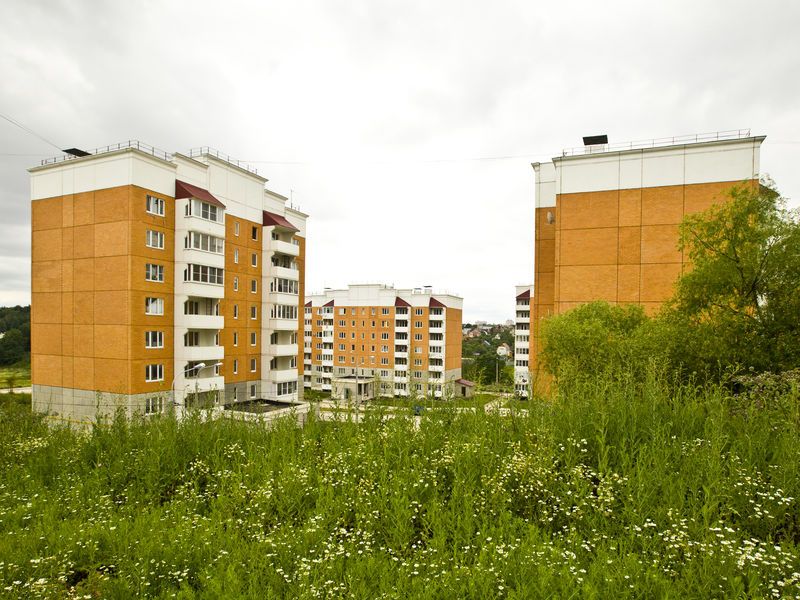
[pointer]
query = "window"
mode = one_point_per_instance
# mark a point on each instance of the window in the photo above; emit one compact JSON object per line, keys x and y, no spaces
{"x":154,"y":272}
{"x":236,"y":255}
{"x":384,"y":336}
{"x":191,"y":338}
{"x":417,"y":362}
{"x":235,"y":366}
{"x":417,"y":323}
{"x":384,"y":311}
{"x":253,"y":365}
{"x":254,"y":260}
{"x":253,"y":338}
{"x":153,"y":339}
{"x":253,"y":286}
{"x":283,"y":311}
{"x":419,"y":311}
{"x":205,"y":242}
{"x":235,"y":284}
{"x":155,"y":206}
{"x":253,"y":312}
{"x":155,"y":239}
{"x":235,"y":392}
{"x":342,"y":311}
{"x":206,"y":211}
{"x":235,"y":311}
{"x":384,"y":348}
{"x":154,"y":306}
{"x":236,"y":228}
{"x":286,"y":286}
{"x":288,"y":387}
{"x":154,"y":373}
{"x":417,"y":350}
{"x":203,"y":274}
{"x":418,"y":337}
{"x":254,"y":233}
{"x":253,"y":390}
{"x":153,"y":405}
{"x":235,"y":338}
{"x":384,"y":361}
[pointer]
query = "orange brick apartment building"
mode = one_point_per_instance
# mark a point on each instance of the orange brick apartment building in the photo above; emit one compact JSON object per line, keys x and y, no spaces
{"x":606,"y":223}
{"x":161,"y":278}
{"x":399,"y":342}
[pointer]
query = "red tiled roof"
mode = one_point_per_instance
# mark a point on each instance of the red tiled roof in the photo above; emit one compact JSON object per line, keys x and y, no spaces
{"x":308,"y":303}
{"x":436,"y":303}
{"x":329,"y":303}
{"x":400,"y":302}
{"x":523,"y":295}
{"x":187,"y":190}
{"x":273,"y":220}
{"x":465,"y":382}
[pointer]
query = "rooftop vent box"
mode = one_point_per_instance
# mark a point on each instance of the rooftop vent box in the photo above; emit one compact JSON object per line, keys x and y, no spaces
{"x":76,"y":152}
{"x":595,"y":140}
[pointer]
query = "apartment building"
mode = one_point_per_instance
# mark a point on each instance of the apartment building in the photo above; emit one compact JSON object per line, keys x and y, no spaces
{"x":377,"y":340}
{"x":522,"y":340}
{"x":607,"y":217}
{"x":161,"y":278}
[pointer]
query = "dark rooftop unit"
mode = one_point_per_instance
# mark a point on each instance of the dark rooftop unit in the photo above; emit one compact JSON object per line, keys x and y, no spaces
{"x":76,"y":152}
{"x":595,"y":140}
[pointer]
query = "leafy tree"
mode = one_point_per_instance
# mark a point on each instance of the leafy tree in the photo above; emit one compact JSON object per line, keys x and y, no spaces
{"x":598,"y":337}
{"x":12,"y":347}
{"x":740,"y":302}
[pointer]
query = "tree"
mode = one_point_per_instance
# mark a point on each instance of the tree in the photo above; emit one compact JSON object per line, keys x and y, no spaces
{"x":740,"y":302}
{"x":12,"y":347}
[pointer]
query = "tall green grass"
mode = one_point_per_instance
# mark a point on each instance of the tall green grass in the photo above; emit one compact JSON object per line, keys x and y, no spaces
{"x":615,"y":489}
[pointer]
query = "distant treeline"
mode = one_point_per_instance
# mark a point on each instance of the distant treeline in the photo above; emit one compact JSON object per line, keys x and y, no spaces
{"x":15,"y":327}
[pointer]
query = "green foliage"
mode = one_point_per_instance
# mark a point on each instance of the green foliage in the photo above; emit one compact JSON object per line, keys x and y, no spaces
{"x":619,"y":488}
{"x":15,"y":345}
{"x":740,"y":302}
{"x":480,"y":362}
{"x":596,"y":338}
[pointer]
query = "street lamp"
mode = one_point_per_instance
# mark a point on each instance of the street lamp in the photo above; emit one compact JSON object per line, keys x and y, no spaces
{"x":196,"y":369}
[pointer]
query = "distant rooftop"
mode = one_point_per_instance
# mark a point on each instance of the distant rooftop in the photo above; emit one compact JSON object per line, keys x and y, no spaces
{"x":697,"y":138}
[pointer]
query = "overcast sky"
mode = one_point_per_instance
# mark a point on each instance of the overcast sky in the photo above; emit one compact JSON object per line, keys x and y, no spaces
{"x":405,"y":129}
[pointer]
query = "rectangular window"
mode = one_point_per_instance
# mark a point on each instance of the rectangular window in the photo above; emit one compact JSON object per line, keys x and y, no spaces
{"x":153,"y":339}
{"x":236,"y":228}
{"x":253,"y":312}
{"x":384,"y":311}
{"x":235,"y":366}
{"x":236,"y":255}
{"x":155,"y":206}
{"x":235,"y":284}
{"x":206,"y":211}
{"x":235,"y":311}
{"x":418,"y":337}
{"x":284,"y":286}
{"x":155,"y":239}
{"x":417,"y":323}
{"x":253,"y":390}
{"x":153,"y":405}
{"x":191,"y":338}
{"x":203,"y":274}
{"x":154,"y":373}
{"x":254,"y":260}
{"x":253,"y":338}
{"x":419,"y":311}
{"x":154,"y":306}
{"x":384,"y":336}
{"x":154,"y":272}
{"x":253,"y":286}
{"x":253,"y":365}
{"x":235,"y":338}
{"x":254,"y":233}
{"x":384,"y":361}
{"x":283,"y":311}
{"x":205,"y":242}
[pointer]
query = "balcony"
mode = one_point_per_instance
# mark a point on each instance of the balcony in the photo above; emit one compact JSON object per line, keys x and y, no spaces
{"x":439,"y":368}
{"x":200,"y":321}
{"x":433,"y":354}
{"x":202,"y":257}
{"x":200,"y":290}
{"x":200,"y":384}
{"x":283,"y":298}
{"x":283,"y":325}
{"x":200,"y":225}
{"x":206,"y":354}
{"x":285,"y":273}
{"x":283,"y":349}
{"x":284,"y":247}
{"x":282,"y":375}
{"x":435,"y":328}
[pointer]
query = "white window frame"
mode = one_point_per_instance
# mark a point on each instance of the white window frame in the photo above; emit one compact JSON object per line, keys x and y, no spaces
{"x":154,"y":272}
{"x":154,"y":239}
{"x":154,"y":306}
{"x":153,"y":339}
{"x":155,"y":205}
{"x":154,"y":372}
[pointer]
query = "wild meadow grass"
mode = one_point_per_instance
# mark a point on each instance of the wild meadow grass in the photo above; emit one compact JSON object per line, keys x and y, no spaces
{"x":612,"y":490}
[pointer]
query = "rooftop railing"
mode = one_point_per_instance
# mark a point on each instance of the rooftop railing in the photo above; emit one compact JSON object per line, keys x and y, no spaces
{"x":134,"y":144}
{"x":697,"y":138}
{"x":208,"y":151}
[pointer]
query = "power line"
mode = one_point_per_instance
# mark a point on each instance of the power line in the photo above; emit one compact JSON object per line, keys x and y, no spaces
{"x":30,"y":131}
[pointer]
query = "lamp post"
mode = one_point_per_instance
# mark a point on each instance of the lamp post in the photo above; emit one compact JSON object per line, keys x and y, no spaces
{"x":196,"y":369}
